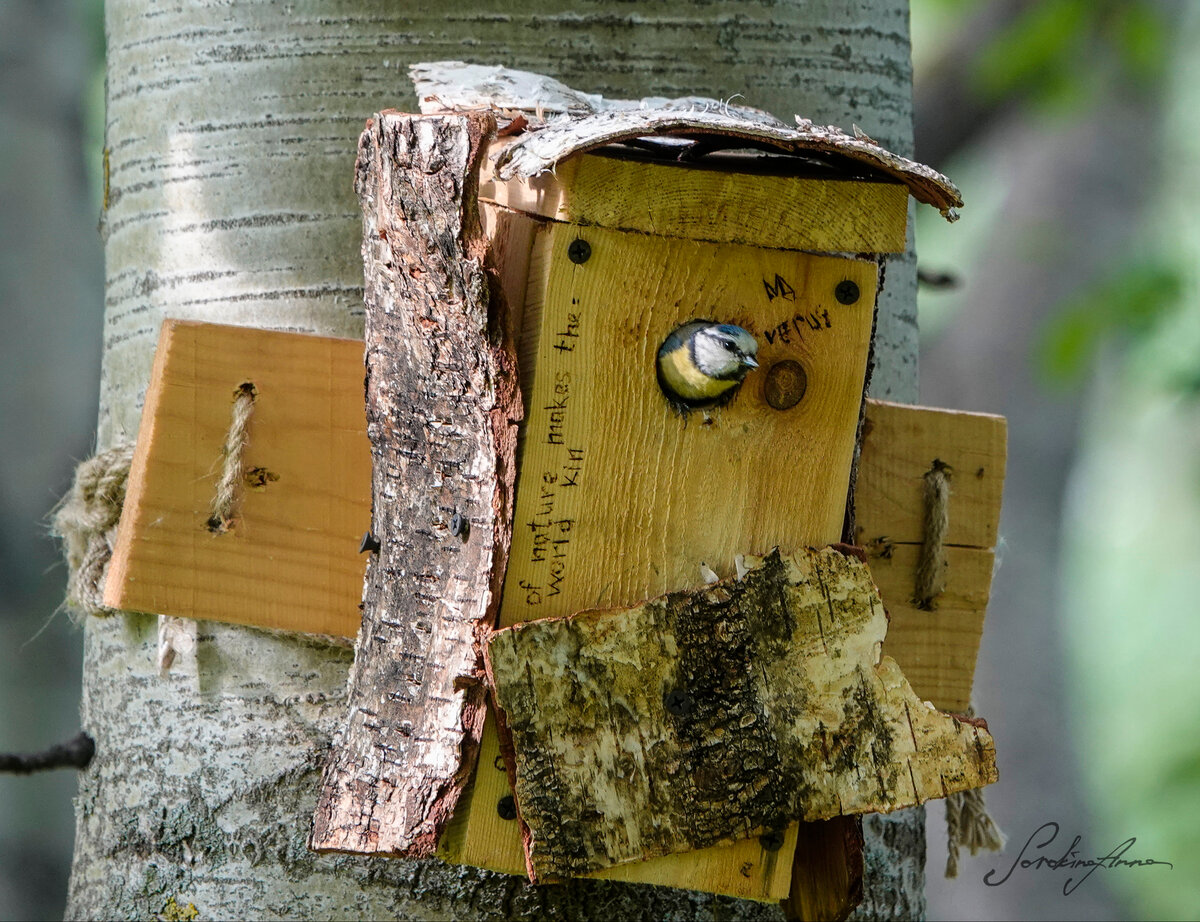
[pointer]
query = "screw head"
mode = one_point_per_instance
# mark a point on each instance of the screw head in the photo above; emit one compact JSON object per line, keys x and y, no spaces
{"x":678,"y":702}
{"x":846,"y":292}
{"x":580,"y":251}
{"x":507,"y":807}
{"x":460,"y":526}
{"x":369,"y":543}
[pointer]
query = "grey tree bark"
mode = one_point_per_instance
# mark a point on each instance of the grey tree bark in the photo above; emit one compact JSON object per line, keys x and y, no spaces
{"x":230,"y":146}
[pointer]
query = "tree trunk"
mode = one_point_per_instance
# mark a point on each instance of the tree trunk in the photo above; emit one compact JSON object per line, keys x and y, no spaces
{"x":231,"y":136}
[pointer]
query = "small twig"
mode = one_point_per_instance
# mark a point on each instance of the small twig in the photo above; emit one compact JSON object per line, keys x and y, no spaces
{"x":928,"y":278}
{"x":75,"y":753}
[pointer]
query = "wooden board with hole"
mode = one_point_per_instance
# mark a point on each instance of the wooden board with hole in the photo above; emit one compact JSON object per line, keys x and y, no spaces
{"x":290,"y":560}
{"x":620,"y":499}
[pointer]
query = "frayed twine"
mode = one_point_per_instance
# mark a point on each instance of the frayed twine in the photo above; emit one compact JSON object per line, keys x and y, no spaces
{"x":932,"y":566}
{"x":229,"y":485}
{"x":969,"y":825}
{"x":86,"y":521}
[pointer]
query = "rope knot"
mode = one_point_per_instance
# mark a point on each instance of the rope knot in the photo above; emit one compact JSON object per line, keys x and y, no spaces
{"x":86,"y":521}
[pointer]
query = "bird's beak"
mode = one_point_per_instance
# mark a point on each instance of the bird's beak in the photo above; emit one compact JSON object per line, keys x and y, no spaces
{"x":749,"y":362}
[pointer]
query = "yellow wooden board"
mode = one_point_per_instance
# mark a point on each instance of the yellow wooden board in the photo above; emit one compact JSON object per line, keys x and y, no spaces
{"x":620,"y":499}
{"x":935,"y":649}
{"x":900,"y":444}
{"x":291,"y":560}
{"x":719,"y":205}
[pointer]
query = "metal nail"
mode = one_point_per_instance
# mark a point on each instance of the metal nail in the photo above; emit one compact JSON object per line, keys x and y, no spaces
{"x":771,"y":840}
{"x":369,"y":543}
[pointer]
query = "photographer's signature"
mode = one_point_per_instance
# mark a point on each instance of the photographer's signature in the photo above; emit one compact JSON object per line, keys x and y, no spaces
{"x":1070,"y":859}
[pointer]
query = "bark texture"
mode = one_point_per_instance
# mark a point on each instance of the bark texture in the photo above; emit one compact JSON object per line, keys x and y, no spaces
{"x":569,"y":121}
{"x":231,"y":134}
{"x":442,"y":411}
{"x":704,"y":717}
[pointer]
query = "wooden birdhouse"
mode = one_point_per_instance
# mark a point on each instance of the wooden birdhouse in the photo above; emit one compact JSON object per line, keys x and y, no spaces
{"x":696,"y":678}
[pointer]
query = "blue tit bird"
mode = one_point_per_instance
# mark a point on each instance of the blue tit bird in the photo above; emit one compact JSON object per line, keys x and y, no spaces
{"x":702,"y":363}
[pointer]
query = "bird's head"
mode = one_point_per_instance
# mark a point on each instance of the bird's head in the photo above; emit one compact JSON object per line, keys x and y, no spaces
{"x":725,"y":351}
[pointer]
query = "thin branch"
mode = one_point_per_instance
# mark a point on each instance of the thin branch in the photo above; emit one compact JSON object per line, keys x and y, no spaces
{"x":75,"y":753}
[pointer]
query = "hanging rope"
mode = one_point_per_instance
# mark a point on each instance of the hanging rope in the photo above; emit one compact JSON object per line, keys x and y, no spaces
{"x":229,"y":487}
{"x":969,"y":825}
{"x":931,"y":569}
{"x":86,"y":521}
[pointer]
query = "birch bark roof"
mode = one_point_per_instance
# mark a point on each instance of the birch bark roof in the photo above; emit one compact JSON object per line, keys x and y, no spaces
{"x":562,"y":121}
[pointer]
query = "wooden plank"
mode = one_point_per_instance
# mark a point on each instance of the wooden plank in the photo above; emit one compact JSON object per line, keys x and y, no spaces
{"x":707,"y":716}
{"x":900,"y":444}
{"x":609,"y":457}
{"x":936,"y":649}
{"x":442,"y":409}
{"x":827,"y":878}
{"x":290,"y":561}
{"x":714,"y":203}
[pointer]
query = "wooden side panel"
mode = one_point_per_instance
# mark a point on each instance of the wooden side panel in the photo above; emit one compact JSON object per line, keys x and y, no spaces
{"x":936,"y":649}
{"x":291,"y":559}
{"x":900,"y":444}
{"x":718,"y":205}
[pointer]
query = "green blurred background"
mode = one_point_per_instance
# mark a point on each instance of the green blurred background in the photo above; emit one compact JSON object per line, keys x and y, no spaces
{"x":1073,"y":129}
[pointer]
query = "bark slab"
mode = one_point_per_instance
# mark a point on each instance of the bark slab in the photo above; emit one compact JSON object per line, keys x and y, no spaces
{"x":703,"y":717}
{"x":442,"y":408}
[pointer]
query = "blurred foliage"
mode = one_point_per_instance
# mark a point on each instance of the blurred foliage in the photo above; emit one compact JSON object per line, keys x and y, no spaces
{"x":1049,"y":52}
{"x":1127,"y":305}
{"x":1059,"y":57}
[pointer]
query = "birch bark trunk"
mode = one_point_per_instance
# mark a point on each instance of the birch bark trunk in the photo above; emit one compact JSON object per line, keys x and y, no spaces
{"x":231,"y":136}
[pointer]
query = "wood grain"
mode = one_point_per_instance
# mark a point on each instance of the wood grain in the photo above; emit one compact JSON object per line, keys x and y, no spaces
{"x":441,"y":416}
{"x":900,"y":444}
{"x":936,"y":649}
{"x":708,"y":716}
{"x":725,"y":202}
{"x":291,"y":561}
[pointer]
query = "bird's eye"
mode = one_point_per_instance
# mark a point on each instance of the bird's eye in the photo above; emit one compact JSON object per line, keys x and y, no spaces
{"x":729,"y":347}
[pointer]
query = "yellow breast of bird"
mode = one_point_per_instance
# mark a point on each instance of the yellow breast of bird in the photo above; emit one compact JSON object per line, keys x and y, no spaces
{"x":686,"y":380}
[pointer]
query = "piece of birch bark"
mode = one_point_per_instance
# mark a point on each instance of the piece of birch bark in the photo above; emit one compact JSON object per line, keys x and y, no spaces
{"x":442,"y":407}
{"x":702,"y":717}
{"x":563,"y":121}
